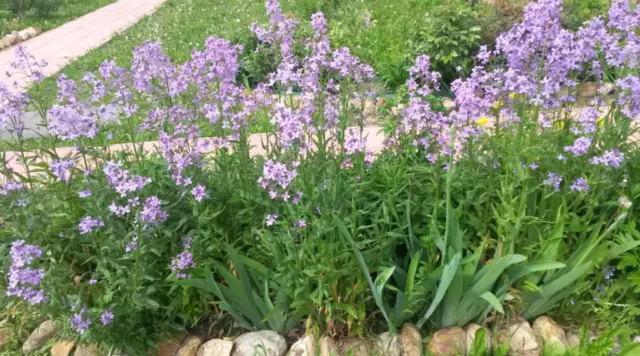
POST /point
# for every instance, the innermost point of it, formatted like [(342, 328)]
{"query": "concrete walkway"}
[(66, 43)]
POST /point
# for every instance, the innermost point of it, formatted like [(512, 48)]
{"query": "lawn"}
[(67, 11)]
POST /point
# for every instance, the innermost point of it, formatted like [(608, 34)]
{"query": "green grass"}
[(68, 10)]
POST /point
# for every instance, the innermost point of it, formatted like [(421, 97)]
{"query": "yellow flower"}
[(560, 124), (600, 122), (512, 95), (498, 105), (482, 121)]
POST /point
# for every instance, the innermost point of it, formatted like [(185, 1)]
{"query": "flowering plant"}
[(107, 237)]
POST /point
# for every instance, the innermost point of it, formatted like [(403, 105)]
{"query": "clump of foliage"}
[(514, 200)]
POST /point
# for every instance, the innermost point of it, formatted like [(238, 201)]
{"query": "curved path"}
[(64, 44)]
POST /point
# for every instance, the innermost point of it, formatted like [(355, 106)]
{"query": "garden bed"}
[(506, 207)]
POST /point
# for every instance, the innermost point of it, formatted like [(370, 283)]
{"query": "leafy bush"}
[(513, 201), (450, 35)]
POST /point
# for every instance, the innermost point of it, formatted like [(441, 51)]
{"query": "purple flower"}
[(69, 124), (186, 242), (106, 318), (580, 146), (534, 166), (354, 142), (93, 281), (87, 224), (181, 263), (553, 180), (21, 203), (610, 158), (301, 223), (271, 219), (11, 186), (62, 169), (121, 180), (84, 193), (80, 321), (561, 157), (580, 185), (132, 245), (151, 211), (199, 192), (24, 280)]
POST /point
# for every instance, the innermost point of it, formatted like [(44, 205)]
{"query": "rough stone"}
[(355, 346), (86, 350), (328, 347), (216, 347), (521, 339), (388, 344), (62, 348), (471, 331), (28, 33), (5, 336), (551, 333), (38, 337), (448, 341), (170, 345), (266, 343), (573, 339), (189, 346), (304, 347), (410, 341)]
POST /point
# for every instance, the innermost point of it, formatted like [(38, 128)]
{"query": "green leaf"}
[(493, 301), (365, 270), (448, 273)]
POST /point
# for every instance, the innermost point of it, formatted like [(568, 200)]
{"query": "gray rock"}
[(355, 346), (189, 346), (63, 348), (410, 341), (38, 337), (264, 343), (86, 350), (328, 347), (551, 333), (388, 344), (5, 337), (216, 347), (304, 347), (448, 341), (471, 331), (521, 339), (573, 339)]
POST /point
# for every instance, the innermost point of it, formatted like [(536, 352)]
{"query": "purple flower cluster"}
[(69, 123), (199, 192), (182, 263), (553, 180), (610, 158), (106, 318), (580, 185), (152, 211), (80, 321), (580, 146), (88, 224), (24, 280), (121, 180), (276, 177), (271, 219), (11, 186), (62, 169)]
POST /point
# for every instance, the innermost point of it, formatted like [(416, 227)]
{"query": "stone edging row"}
[(521, 337)]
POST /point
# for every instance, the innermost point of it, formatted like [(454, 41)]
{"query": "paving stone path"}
[(74, 39)]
